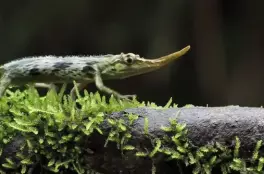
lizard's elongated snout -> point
(142, 65)
(159, 62)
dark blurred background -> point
(225, 65)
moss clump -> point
(53, 127)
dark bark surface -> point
(205, 125)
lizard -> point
(43, 71)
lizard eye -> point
(129, 60)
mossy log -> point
(205, 139)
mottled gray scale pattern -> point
(34, 72)
(62, 67)
(55, 70)
(88, 69)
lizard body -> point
(82, 69)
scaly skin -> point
(46, 70)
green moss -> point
(54, 127)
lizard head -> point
(126, 65)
